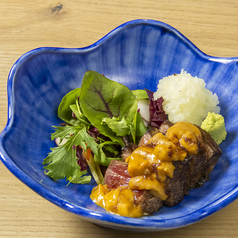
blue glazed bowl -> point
(137, 54)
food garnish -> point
(186, 98)
(214, 125)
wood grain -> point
(212, 25)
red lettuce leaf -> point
(157, 113)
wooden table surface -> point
(212, 25)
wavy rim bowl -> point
(101, 218)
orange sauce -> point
(187, 135)
(119, 201)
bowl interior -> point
(136, 54)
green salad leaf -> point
(120, 127)
(62, 161)
(78, 113)
(140, 127)
(140, 94)
(102, 158)
(101, 97)
(64, 111)
(64, 131)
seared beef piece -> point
(145, 138)
(153, 130)
(186, 174)
(149, 203)
(212, 151)
(165, 126)
(127, 150)
(193, 172)
(117, 175)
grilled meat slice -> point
(165, 126)
(212, 151)
(153, 130)
(193, 172)
(127, 150)
(145, 138)
(117, 175)
(149, 203)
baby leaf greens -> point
(102, 98)
(62, 163)
(103, 106)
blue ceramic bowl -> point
(137, 54)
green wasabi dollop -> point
(214, 124)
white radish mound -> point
(186, 98)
